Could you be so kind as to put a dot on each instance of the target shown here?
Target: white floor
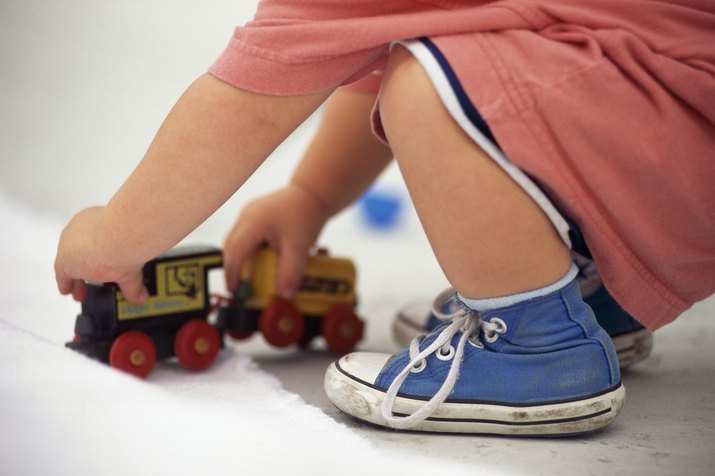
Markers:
(84, 86)
(60, 411)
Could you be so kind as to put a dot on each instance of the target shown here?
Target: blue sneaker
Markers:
(632, 341)
(538, 367)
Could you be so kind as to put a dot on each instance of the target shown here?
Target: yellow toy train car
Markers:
(323, 304)
(178, 319)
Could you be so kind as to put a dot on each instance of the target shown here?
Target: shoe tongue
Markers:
(450, 305)
(434, 334)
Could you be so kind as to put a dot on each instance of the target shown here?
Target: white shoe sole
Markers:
(631, 347)
(363, 400)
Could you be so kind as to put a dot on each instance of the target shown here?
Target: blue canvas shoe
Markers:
(538, 367)
(632, 341)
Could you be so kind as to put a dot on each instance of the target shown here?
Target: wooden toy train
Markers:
(182, 318)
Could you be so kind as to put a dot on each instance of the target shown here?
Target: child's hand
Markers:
(289, 221)
(81, 257)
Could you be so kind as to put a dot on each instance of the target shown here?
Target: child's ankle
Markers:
(486, 304)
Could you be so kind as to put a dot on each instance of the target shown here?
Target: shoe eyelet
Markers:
(475, 343)
(501, 329)
(419, 367)
(445, 355)
(491, 335)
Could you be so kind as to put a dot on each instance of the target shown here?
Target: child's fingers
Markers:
(239, 245)
(79, 290)
(291, 268)
(76, 287)
(66, 284)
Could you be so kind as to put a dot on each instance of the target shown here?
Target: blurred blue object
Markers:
(381, 209)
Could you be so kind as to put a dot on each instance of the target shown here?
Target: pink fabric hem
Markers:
(250, 70)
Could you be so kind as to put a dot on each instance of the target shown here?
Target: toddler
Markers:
(524, 131)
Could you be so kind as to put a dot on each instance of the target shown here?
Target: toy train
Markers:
(182, 318)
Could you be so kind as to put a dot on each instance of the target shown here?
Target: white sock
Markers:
(488, 304)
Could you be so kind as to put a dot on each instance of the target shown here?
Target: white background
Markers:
(84, 85)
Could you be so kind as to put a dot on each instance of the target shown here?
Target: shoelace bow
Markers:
(465, 321)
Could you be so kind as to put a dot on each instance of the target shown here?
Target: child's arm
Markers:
(343, 159)
(210, 143)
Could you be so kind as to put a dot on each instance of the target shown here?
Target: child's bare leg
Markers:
(488, 235)
(537, 344)
(536, 348)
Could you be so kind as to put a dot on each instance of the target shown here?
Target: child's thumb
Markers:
(133, 288)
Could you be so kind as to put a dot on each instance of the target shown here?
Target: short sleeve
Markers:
(302, 47)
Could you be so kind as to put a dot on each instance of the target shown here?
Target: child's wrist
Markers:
(108, 246)
(320, 205)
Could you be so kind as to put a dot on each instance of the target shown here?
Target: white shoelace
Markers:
(468, 323)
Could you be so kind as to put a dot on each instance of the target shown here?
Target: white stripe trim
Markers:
(451, 102)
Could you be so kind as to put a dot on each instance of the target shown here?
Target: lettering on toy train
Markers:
(128, 310)
(182, 280)
(312, 284)
(169, 304)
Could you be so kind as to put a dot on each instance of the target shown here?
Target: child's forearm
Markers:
(210, 143)
(344, 157)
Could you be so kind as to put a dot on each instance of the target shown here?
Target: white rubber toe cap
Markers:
(364, 366)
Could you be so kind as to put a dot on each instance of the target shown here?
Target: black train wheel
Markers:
(342, 329)
(133, 352)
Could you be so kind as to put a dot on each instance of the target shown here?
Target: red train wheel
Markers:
(133, 352)
(342, 329)
(281, 323)
(196, 344)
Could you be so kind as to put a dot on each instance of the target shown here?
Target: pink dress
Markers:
(608, 105)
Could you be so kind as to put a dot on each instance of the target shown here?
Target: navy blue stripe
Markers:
(467, 107)
(578, 243)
